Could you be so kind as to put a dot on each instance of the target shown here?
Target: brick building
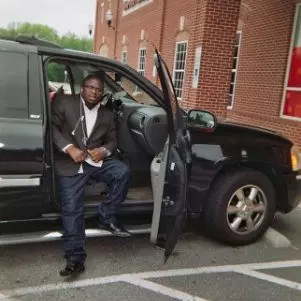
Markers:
(238, 58)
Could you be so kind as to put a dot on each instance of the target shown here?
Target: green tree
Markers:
(56, 72)
(71, 41)
(27, 29)
(40, 31)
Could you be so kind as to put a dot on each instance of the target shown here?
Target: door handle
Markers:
(142, 122)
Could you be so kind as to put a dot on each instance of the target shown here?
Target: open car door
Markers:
(170, 170)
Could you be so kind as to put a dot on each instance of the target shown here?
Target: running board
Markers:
(44, 236)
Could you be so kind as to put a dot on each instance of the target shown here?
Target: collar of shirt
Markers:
(86, 108)
(90, 116)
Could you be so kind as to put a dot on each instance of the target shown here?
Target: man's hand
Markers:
(97, 154)
(76, 154)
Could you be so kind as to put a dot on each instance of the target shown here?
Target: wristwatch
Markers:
(106, 152)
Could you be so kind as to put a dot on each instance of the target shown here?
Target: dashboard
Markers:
(148, 125)
(140, 127)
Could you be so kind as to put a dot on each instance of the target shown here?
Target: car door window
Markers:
(58, 77)
(70, 74)
(114, 83)
(132, 89)
(79, 71)
(13, 85)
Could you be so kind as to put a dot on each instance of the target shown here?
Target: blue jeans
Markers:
(71, 191)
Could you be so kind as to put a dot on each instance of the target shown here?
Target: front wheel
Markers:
(240, 208)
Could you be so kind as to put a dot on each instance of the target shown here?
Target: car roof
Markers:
(27, 44)
(31, 44)
(12, 45)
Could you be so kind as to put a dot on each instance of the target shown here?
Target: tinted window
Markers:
(134, 91)
(13, 85)
(58, 77)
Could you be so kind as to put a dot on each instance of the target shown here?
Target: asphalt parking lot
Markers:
(133, 269)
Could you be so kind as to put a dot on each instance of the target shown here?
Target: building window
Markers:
(291, 104)
(141, 61)
(234, 69)
(179, 67)
(102, 16)
(104, 50)
(124, 57)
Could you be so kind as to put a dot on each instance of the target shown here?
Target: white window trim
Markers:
(104, 50)
(134, 8)
(102, 12)
(139, 56)
(235, 70)
(174, 65)
(289, 60)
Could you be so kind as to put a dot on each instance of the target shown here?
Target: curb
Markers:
(276, 239)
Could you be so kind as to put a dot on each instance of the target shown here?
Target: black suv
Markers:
(183, 164)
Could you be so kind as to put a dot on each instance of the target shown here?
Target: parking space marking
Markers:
(248, 269)
(270, 278)
(3, 297)
(219, 269)
(163, 290)
(59, 286)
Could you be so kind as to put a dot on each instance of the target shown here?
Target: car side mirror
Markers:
(201, 119)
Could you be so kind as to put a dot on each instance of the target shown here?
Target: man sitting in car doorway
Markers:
(84, 134)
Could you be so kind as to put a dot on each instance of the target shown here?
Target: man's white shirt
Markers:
(90, 118)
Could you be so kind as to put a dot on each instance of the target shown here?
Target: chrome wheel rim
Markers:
(246, 209)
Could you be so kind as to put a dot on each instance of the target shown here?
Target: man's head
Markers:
(92, 89)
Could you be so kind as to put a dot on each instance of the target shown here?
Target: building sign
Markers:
(196, 68)
(132, 5)
(292, 93)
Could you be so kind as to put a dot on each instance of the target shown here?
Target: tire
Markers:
(227, 207)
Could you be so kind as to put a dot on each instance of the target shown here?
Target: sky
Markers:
(62, 15)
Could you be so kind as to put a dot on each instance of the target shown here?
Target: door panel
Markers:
(21, 166)
(21, 136)
(174, 208)
(158, 169)
(21, 151)
(170, 185)
(169, 189)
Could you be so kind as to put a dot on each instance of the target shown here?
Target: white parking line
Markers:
(163, 290)
(270, 278)
(60, 286)
(247, 269)
(5, 298)
(219, 269)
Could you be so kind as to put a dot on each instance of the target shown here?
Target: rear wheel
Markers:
(240, 208)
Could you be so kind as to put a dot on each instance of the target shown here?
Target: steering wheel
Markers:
(112, 103)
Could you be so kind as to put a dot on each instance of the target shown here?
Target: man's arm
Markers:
(58, 116)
